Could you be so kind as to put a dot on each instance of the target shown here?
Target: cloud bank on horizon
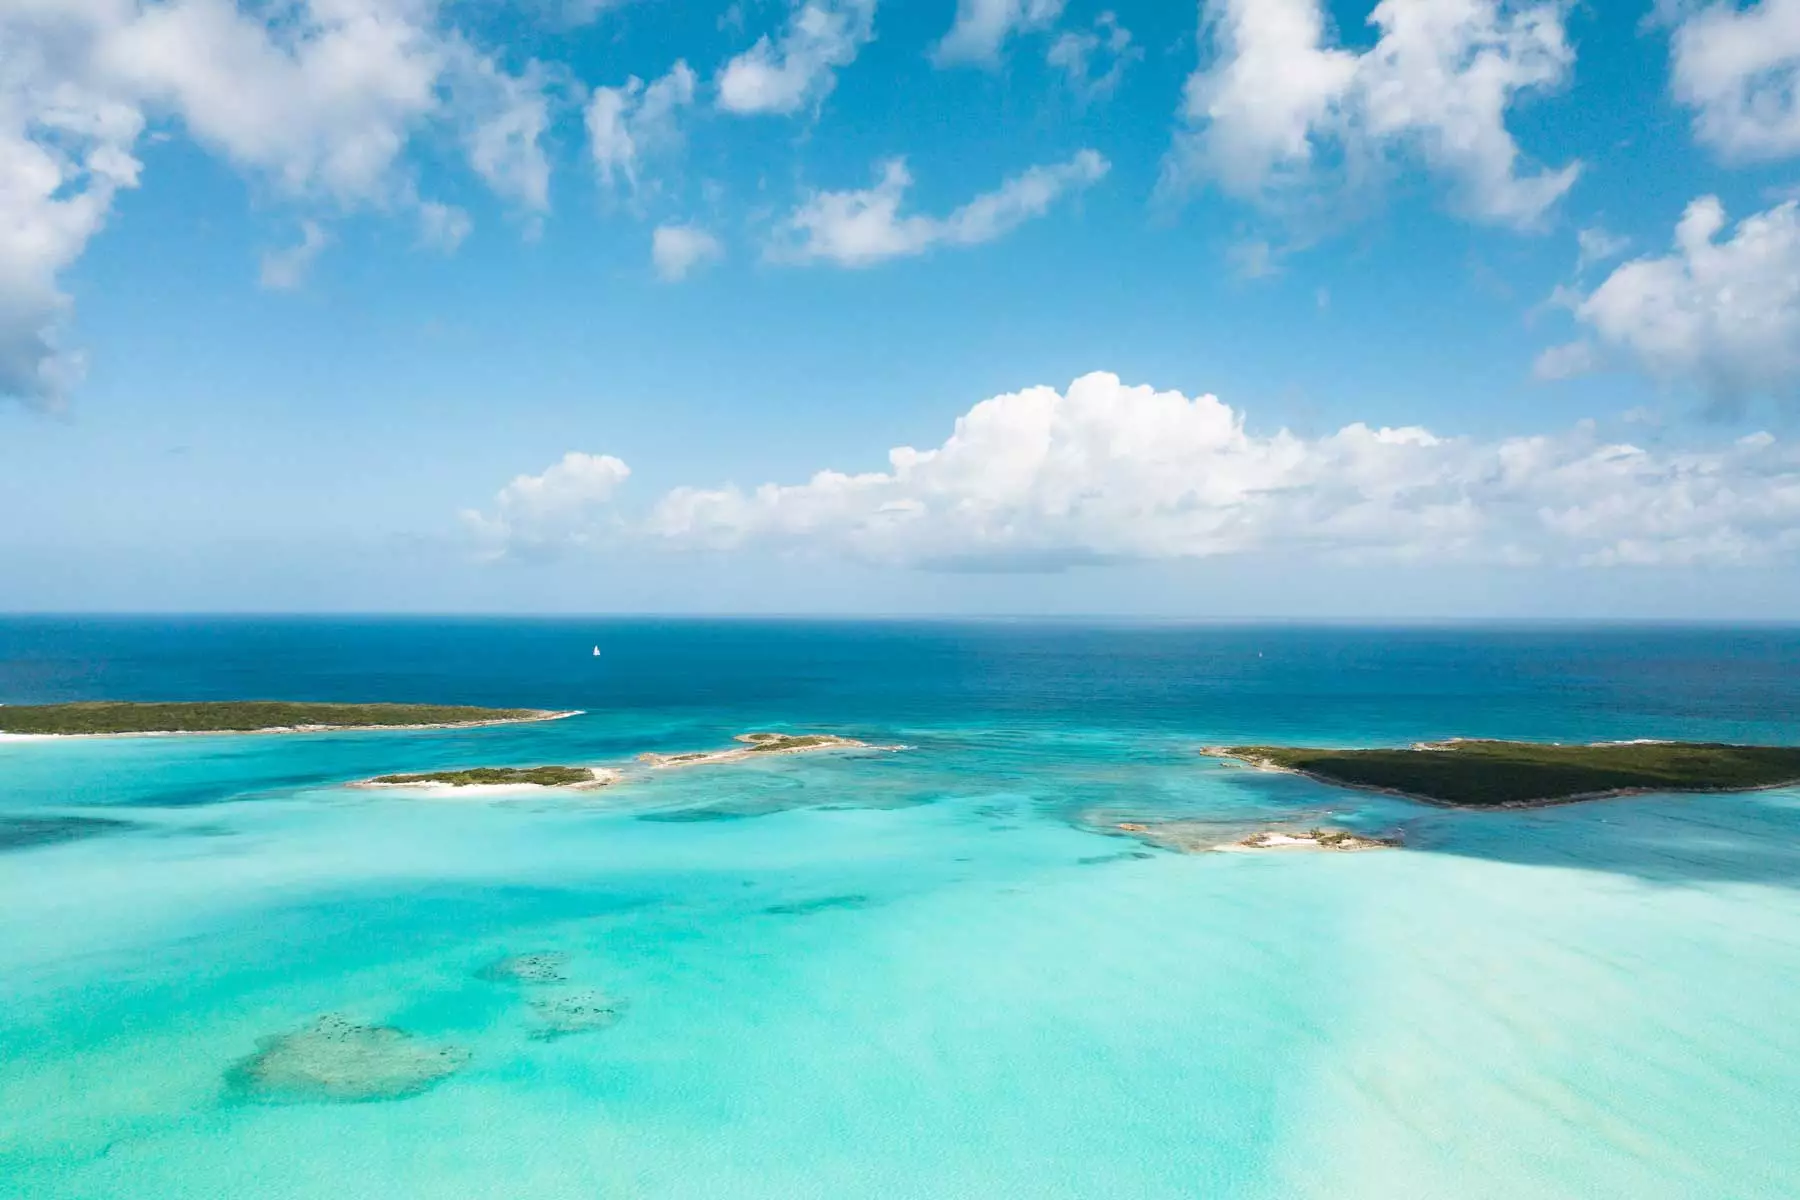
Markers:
(1106, 472)
(331, 108)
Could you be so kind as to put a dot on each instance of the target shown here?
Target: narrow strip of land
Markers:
(484, 780)
(758, 745)
(1469, 773)
(114, 718)
(501, 777)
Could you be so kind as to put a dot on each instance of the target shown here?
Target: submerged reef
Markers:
(16, 833)
(542, 967)
(1465, 773)
(338, 1060)
(556, 1011)
(116, 717)
(562, 1013)
(801, 908)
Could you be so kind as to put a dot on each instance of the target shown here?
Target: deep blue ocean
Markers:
(938, 971)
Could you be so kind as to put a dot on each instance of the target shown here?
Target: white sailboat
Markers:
(596, 652)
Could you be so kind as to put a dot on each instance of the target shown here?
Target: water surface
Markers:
(920, 974)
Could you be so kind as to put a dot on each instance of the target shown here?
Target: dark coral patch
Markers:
(560, 1014)
(336, 1060)
(543, 967)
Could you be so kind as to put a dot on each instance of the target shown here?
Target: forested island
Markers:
(117, 717)
(1471, 773)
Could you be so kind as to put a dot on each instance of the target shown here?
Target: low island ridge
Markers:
(119, 718)
(501, 777)
(756, 745)
(474, 780)
(1474, 773)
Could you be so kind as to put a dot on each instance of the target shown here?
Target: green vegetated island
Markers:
(500, 777)
(749, 745)
(756, 744)
(1470, 773)
(113, 717)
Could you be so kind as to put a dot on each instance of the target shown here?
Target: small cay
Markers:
(759, 744)
(1199, 837)
(750, 745)
(1467, 773)
(506, 777)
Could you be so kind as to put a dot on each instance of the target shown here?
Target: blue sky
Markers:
(355, 304)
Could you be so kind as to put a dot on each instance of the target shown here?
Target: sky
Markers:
(1243, 309)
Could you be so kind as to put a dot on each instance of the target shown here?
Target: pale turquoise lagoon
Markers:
(927, 973)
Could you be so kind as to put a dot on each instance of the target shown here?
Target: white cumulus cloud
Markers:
(1276, 107)
(561, 507)
(65, 151)
(678, 249)
(982, 27)
(861, 227)
(507, 116)
(799, 68)
(626, 124)
(1719, 312)
(1739, 69)
(315, 99)
(1105, 472)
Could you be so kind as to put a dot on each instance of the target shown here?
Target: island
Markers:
(1199, 837)
(115, 718)
(760, 744)
(1476, 773)
(500, 777)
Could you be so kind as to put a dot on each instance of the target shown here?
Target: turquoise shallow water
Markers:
(915, 974)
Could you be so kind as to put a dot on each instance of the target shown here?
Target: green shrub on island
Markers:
(241, 716)
(1483, 774)
(765, 742)
(497, 777)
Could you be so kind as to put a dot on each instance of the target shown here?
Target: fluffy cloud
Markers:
(678, 249)
(982, 27)
(626, 124)
(800, 67)
(860, 228)
(317, 98)
(1723, 315)
(1103, 472)
(562, 507)
(1275, 100)
(1078, 54)
(64, 152)
(1739, 68)
(506, 118)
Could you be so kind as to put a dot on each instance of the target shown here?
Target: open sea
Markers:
(935, 972)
